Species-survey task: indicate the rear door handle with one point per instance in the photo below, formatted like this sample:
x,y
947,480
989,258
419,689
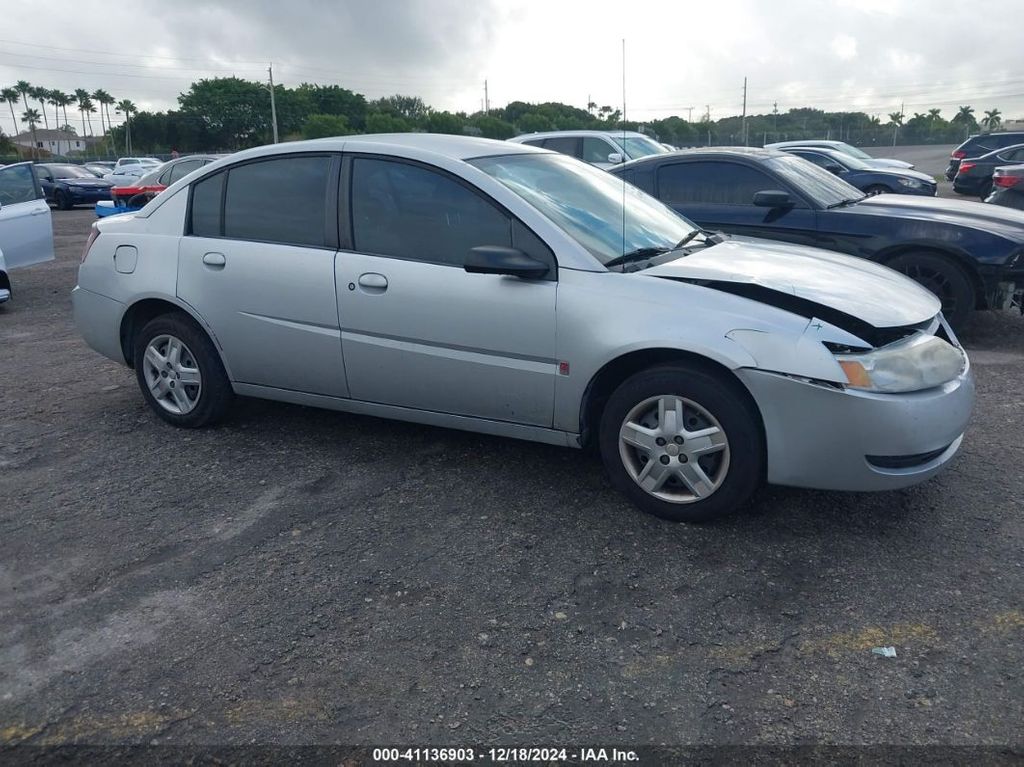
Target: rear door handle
x,y
371,282
215,260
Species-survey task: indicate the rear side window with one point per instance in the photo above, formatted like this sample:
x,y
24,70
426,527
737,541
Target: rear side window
x,y
280,200
564,144
723,183
408,211
182,169
207,196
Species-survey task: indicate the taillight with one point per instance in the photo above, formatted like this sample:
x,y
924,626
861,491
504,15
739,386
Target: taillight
x,y
1006,181
94,232
959,154
966,166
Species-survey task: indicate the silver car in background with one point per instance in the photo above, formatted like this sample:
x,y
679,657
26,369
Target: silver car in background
x,y
509,290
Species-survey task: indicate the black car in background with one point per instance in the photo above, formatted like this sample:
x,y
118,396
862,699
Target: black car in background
x,y
69,185
868,179
969,255
975,146
975,173
1008,187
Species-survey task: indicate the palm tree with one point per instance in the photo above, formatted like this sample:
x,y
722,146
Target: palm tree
x,y
82,97
104,99
31,117
933,114
896,118
128,108
90,109
991,119
72,98
11,96
52,100
40,94
23,87
965,115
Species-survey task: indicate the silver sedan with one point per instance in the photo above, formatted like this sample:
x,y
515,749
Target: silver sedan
x,y
510,290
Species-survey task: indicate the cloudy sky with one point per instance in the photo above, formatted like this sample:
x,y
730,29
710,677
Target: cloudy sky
x,y
833,54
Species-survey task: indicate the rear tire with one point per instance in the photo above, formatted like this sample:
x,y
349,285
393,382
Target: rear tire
x,y
986,190
683,443
180,373
942,277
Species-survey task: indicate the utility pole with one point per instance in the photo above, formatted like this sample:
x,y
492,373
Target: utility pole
x,y
707,120
273,105
689,114
487,100
744,124
775,113
896,126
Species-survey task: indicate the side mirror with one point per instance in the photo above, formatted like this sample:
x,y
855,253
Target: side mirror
x,y
496,259
772,198
615,158
837,169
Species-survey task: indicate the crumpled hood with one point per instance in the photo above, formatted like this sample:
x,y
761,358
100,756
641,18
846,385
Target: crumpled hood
x,y
863,289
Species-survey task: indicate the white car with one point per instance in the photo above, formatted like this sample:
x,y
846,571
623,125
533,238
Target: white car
x,y
842,146
26,234
129,169
604,149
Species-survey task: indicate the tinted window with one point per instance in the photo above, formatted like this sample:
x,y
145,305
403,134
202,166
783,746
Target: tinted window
x,y
17,185
596,150
820,160
1014,154
821,187
182,169
68,171
281,200
563,144
711,182
206,199
411,212
536,142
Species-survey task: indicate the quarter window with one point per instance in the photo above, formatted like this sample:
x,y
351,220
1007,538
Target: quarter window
x,y
722,183
207,196
182,169
408,211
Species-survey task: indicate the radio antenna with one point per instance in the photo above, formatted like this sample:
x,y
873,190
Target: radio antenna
x,y
623,144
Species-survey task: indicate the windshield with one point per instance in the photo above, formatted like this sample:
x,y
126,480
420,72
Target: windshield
x,y
846,160
69,171
638,146
586,203
842,146
823,188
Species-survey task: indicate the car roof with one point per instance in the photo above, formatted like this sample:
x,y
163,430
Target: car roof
x,y
999,151
711,153
437,144
557,133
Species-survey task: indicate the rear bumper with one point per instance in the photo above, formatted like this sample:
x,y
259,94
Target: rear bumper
x,y
833,439
98,320
968,184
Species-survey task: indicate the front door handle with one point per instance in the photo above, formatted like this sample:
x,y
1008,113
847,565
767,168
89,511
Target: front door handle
x,y
40,211
371,282
215,260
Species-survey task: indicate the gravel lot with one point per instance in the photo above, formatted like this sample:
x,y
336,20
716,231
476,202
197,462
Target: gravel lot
x,y
299,576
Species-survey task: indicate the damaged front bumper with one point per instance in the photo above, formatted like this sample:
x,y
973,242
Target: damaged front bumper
x,y
834,438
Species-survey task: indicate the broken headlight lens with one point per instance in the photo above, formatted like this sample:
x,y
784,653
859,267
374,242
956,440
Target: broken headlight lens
x,y
917,363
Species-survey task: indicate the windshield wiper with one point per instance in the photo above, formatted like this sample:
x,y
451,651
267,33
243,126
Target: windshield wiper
x,y
842,203
639,254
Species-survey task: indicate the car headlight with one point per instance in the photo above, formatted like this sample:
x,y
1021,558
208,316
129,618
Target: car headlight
x,y
910,365
913,183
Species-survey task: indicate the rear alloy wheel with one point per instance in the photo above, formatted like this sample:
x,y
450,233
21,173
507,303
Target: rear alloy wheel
x,y
682,443
877,189
63,200
180,373
942,277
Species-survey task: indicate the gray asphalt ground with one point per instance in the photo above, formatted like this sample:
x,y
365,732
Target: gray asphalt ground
x,y
299,576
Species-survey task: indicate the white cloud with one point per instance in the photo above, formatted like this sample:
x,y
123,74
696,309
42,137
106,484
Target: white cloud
x,y
845,47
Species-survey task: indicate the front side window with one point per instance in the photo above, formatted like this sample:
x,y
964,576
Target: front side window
x,y
408,211
823,188
181,170
588,204
597,150
716,183
17,185
281,200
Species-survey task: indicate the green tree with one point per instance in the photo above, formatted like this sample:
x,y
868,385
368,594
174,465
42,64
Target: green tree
x,y
493,127
965,117
446,122
40,94
11,96
324,126
410,107
84,103
127,108
234,112
31,118
534,122
380,122
105,100
335,100
992,119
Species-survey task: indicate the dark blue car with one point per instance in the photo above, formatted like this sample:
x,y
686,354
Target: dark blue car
x,y
66,186
868,179
969,255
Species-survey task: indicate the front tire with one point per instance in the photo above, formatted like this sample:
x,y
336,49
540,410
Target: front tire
x,y
683,443
63,200
180,373
942,277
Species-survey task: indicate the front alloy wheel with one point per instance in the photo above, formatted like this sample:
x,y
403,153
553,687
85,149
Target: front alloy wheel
x,y
683,441
674,449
